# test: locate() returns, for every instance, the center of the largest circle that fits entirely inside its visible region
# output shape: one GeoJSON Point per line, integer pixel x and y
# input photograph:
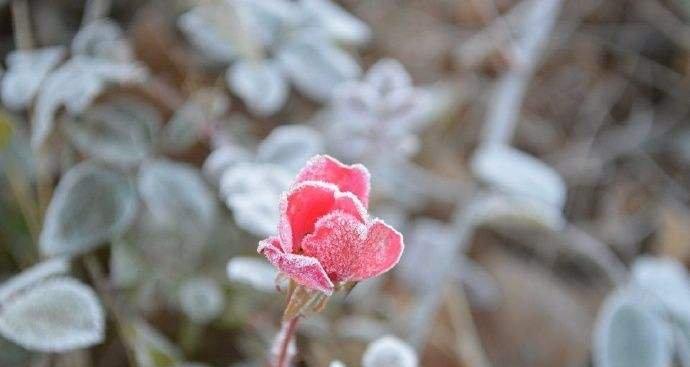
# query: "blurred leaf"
{"type": "Point", "coordinates": [26, 71]}
{"type": "Point", "coordinates": [56, 315]}
{"type": "Point", "coordinates": [629, 333]}
{"type": "Point", "coordinates": [260, 84]}
{"type": "Point", "coordinates": [120, 132]}
{"type": "Point", "coordinates": [32, 275]}
{"type": "Point", "coordinates": [338, 23]}
{"type": "Point", "coordinates": [210, 28]}
{"type": "Point", "coordinates": [6, 131]}
{"type": "Point", "coordinates": [253, 192]}
{"type": "Point", "coordinates": [75, 84]}
{"type": "Point", "coordinates": [91, 205]}
{"type": "Point", "coordinates": [222, 159]}
{"type": "Point", "coordinates": [102, 38]}
{"type": "Point", "coordinates": [189, 121]}
{"type": "Point", "coordinates": [254, 272]}
{"type": "Point", "coordinates": [667, 280]}
{"type": "Point", "coordinates": [290, 146]}
{"type": "Point", "coordinates": [201, 299]}
{"type": "Point", "coordinates": [315, 66]}
{"type": "Point", "coordinates": [389, 351]}
{"type": "Point", "coordinates": [126, 265]}
{"type": "Point", "coordinates": [151, 348]}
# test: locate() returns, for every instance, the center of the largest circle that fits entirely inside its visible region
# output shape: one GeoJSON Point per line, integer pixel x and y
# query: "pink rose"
{"type": "Point", "coordinates": [325, 235]}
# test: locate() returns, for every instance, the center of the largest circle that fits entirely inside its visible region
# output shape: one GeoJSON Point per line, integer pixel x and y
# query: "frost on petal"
{"type": "Point", "coordinates": [26, 71]}
{"type": "Point", "coordinates": [260, 84]}
{"type": "Point", "coordinates": [389, 351]}
{"type": "Point", "coordinates": [351, 250]}
{"type": "Point", "coordinates": [316, 67]}
{"type": "Point", "coordinates": [91, 204]}
{"type": "Point", "coordinates": [290, 146]}
{"type": "Point", "coordinates": [354, 178]}
{"type": "Point", "coordinates": [338, 23]}
{"type": "Point", "coordinates": [308, 201]}
{"type": "Point", "coordinates": [56, 315]}
{"type": "Point", "coordinates": [305, 270]}
{"type": "Point", "coordinates": [253, 272]}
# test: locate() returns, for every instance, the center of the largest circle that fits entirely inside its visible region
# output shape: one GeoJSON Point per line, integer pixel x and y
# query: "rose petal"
{"type": "Point", "coordinates": [308, 201]}
{"type": "Point", "coordinates": [349, 250]}
{"type": "Point", "coordinates": [304, 270]}
{"type": "Point", "coordinates": [353, 178]}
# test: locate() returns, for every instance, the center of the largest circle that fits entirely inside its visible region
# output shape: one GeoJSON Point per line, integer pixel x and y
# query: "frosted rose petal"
{"type": "Point", "coordinates": [353, 178]}
{"type": "Point", "coordinates": [305, 203]}
{"type": "Point", "coordinates": [305, 270]}
{"type": "Point", "coordinates": [350, 250]}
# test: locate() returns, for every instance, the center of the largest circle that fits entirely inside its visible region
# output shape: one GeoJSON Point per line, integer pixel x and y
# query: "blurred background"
{"type": "Point", "coordinates": [535, 154]}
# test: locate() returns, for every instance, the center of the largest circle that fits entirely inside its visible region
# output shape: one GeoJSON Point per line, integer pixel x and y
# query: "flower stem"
{"type": "Point", "coordinates": [282, 351]}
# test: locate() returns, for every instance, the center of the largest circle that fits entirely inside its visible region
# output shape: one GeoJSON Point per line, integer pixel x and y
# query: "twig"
{"type": "Point", "coordinates": [506, 101]}
{"type": "Point", "coordinates": [21, 21]}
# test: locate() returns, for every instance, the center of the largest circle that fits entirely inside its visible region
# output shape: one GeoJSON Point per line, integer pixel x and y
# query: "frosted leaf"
{"type": "Point", "coordinates": [201, 110]}
{"type": "Point", "coordinates": [260, 84]}
{"type": "Point", "coordinates": [667, 280]}
{"type": "Point", "coordinates": [270, 19]}
{"type": "Point", "coordinates": [26, 71]}
{"type": "Point", "coordinates": [75, 84]}
{"type": "Point", "coordinates": [337, 364]}
{"type": "Point", "coordinates": [316, 67]}
{"type": "Point", "coordinates": [519, 174]}
{"type": "Point", "coordinates": [172, 191]}
{"type": "Point", "coordinates": [359, 327]}
{"type": "Point", "coordinates": [254, 272]}
{"type": "Point", "coordinates": [102, 38]}
{"type": "Point", "coordinates": [209, 28]}
{"type": "Point", "coordinates": [429, 243]}
{"type": "Point", "coordinates": [338, 23]}
{"type": "Point", "coordinates": [290, 146]}
{"type": "Point", "coordinates": [252, 192]}
{"type": "Point", "coordinates": [126, 265]}
{"type": "Point", "coordinates": [151, 348]}
{"type": "Point", "coordinates": [499, 209]}
{"type": "Point", "coordinates": [120, 132]}
{"type": "Point", "coordinates": [57, 315]}
{"type": "Point", "coordinates": [36, 273]}
{"type": "Point", "coordinates": [91, 205]}
{"type": "Point", "coordinates": [389, 351]}
{"type": "Point", "coordinates": [631, 334]}
{"type": "Point", "coordinates": [222, 159]}
{"type": "Point", "coordinates": [201, 299]}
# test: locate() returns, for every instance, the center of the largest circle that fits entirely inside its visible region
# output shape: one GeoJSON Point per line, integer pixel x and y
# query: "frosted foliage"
{"type": "Point", "coordinates": [74, 85]}
{"type": "Point", "coordinates": [337, 364]}
{"type": "Point", "coordinates": [209, 29]}
{"type": "Point", "coordinates": [56, 315]}
{"type": "Point", "coordinates": [380, 116]}
{"type": "Point", "coordinates": [120, 132]}
{"type": "Point", "coordinates": [501, 209]}
{"type": "Point", "coordinates": [290, 146]}
{"type": "Point", "coordinates": [91, 205]}
{"type": "Point", "coordinates": [630, 334]}
{"type": "Point", "coordinates": [102, 38]}
{"type": "Point", "coordinates": [172, 191]}
{"type": "Point", "coordinates": [316, 67]}
{"type": "Point", "coordinates": [260, 84]}
{"type": "Point", "coordinates": [519, 174]}
{"type": "Point", "coordinates": [339, 24]}
{"type": "Point", "coordinates": [201, 299]}
{"type": "Point", "coordinates": [254, 272]}
{"type": "Point", "coordinates": [667, 280]}
{"type": "Point", "coordinates": [428, 245]}
{"type": "Point", "coordinates": [252, 192]}
{"type": "Point", "coordinates": [389, 351]}
{"type": "Point", "coordinates": [151, 348]}
{"type": "Point", "coordinates": [201, 110]}
{"type": "Point", "coordinates": [222, 159]}
{"type": "Point", "coordinates": [38, 272]}
{"type": "Point", "coordinates": [26, 70]}
{"type": "Point", "coordinates": [125, 265]}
